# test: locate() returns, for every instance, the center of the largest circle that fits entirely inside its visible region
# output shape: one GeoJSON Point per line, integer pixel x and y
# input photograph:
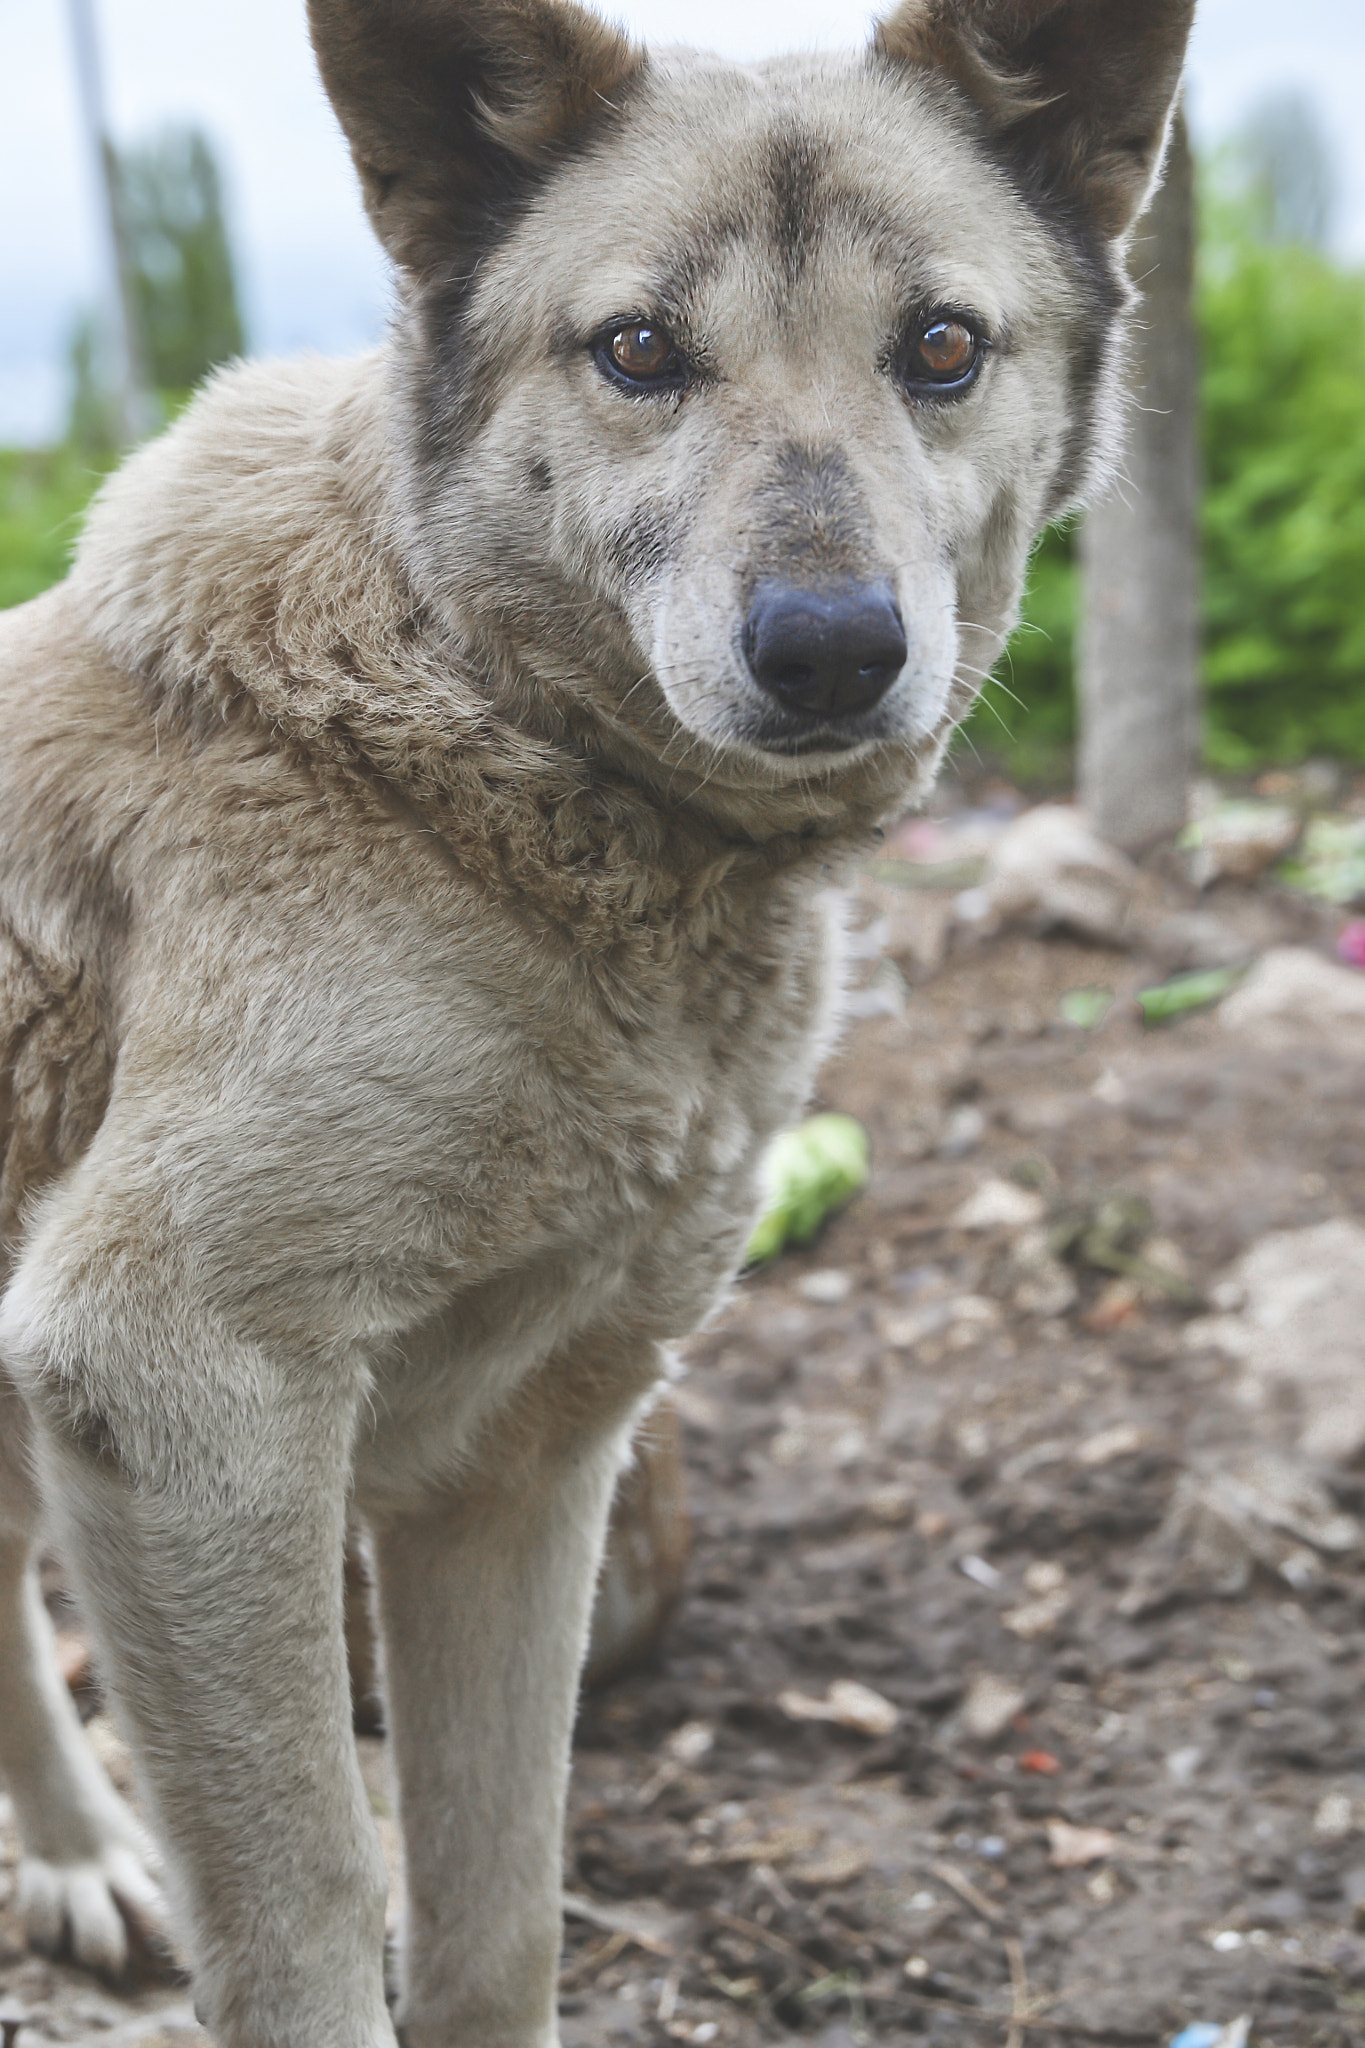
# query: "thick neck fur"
{"type": "Point", "coordinates": [248, 563]}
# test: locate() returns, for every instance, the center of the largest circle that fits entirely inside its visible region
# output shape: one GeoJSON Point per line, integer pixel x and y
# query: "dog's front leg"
{"type": "Point", "coordinates": [199, 1484]}
{"type": "Point", "coordinates": [484, 1601]}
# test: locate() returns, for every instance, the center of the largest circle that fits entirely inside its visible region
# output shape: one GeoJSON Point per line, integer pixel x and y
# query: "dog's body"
{"type": "Point", "coordinates": [418, 810]}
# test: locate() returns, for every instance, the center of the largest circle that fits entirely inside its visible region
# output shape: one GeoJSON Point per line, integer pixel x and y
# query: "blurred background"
{"type": "Point", "coordinates": [244, 233]}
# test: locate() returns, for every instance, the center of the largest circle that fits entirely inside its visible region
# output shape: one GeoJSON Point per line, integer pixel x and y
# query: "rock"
{"type": "Point", "coordinates": [1038, 1618]}
{"type": "Point", "coordinates": [1298, 1335]}
{"type": "Point", "coordinates": [1072, 1848]}
{"type": "Point", "coordinates": [962, 1132]}
{"type": "Point", "coordinates": [910, 925]}
{"type": "Point", "coordinates": [991, 1704]}
{"type": "Point", "coordinates": [1292, 991]}
{"type": "Point", "coordinates": [1048, 1289]}
{"type": "Point", "coordinates": [1239, 841]}
{"type": "Point", "coordinates": [1107, 1444]}
{"type": "Point", "coordinates": [1335, 1816]}
{"type": "Point", "coordinates": [1195, 939]}
{"type": "Point", "coordinates": [847, 1704]}
{"type": "Point", "coordinates": [1260, 1508]}
{"type": "Point", "coordinates": [1050, 872]}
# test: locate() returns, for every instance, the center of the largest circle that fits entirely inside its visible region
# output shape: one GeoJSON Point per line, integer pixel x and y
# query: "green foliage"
{"type": "Point", "coordinates": [1026, 718]}
{"type": "Point", "coordinates": [43, 492]}
{"type": "Point", "coordinates": [172, 203]}
{"type": "Point", "coordinates": [1283, 398]}
{"type": "Point", "coordinates": [184, 289]}
{"type": "Point", "coordinates": [1284, 501]}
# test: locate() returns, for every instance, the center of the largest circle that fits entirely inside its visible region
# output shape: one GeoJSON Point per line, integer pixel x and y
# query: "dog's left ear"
{"type": "Point", "coordinates": [1079, 92]}
{"type": "Point", "coordinates": [454, 108]}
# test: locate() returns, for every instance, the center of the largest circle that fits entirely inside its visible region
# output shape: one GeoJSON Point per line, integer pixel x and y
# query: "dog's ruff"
{"type": "Point", "coordinates": [415, 920]}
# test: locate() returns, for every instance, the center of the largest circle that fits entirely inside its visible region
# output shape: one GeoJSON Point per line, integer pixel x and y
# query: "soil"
{"type": "Point", "coordinates": [931, 1460]}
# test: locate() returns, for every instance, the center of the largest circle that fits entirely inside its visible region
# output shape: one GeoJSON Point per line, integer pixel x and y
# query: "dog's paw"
{"type": "Point", "coordinates": [98, 1911]}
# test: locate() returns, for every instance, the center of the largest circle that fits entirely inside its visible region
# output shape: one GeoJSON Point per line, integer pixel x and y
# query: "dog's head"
{"type": "Point", "coordinates": [735, 396]}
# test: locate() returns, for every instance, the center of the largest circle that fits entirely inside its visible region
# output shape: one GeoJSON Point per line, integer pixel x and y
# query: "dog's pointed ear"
{"type": "Point", "coordinates": [453, 108]}
{"type": "Point", "coordinates": [1079, 91]}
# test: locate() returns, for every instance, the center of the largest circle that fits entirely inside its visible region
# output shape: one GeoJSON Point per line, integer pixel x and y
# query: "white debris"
{"type": "Point", "coordinates": [848, 1704]}
{"type": "Point", "coordinates": [1072, 1848]}
{"type": "Point", "coordinates": [1037, 1618]}
{"type": "Point", "coordinates": [827, 1287]}
{"type": "Point", "coordinates": [1292, 991]}
{"type": "Point", "coordinates": [690, 1743]}
{"type": "Point", "coordinates": [980, 1572]}
{"type": "Point", "coordinates": [991, 1704]}
{"type": "Point", "coordinates": [1000, 1205]}
{"type": "Point", "coordinates": [1298, 1336]}
{"type": "Point", "coordinates": [1335, 1817]}
{"type": "Point", "coordinates": [1108, 1444]}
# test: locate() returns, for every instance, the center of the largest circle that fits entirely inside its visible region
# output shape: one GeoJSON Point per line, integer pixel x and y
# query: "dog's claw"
{"type": "Point", "coordinates": [96, 1911]}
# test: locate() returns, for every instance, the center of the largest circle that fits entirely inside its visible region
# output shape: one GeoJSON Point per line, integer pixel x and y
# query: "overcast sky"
{"type": "Point", "coordinates": [310, 273]}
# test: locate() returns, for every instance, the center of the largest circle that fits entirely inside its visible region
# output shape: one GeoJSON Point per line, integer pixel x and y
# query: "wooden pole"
{"type": "Point", "coordinates": [1138, 644]}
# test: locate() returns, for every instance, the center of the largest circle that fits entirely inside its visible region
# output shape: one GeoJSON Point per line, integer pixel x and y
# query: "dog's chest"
{"type": "Point", "coordinates": [609, 1175]}
{"type": "Point", "coordinates": [642, 1094]}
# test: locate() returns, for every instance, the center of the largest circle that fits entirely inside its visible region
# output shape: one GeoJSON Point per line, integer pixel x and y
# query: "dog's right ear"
{"type": "Point", "coordinates": [453, 108]}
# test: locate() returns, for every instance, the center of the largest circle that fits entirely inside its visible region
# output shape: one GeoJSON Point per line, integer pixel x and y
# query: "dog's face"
{"type": "Point", "coordinates": [753, 385]}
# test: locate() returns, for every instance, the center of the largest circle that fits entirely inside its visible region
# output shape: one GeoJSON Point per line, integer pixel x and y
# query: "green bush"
{"type": "Point", "coordinates": [1282, 333]}
{"type": "Point", "coordinates": [1284, 500]}
{"type": "Point", "coordinates": [43, 493]}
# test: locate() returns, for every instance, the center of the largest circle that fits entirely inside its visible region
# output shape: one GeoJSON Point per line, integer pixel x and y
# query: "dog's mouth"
{"type": "Point", "coordinates": [794, 737]}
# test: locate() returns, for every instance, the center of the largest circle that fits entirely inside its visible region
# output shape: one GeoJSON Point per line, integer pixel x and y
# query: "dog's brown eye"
{"type": "Point", "coordinates": [641, 355]}
{"type": "Point", "coordinates": [641, 351]}
{"type": "Point", "coordinates": [942, 354]}
{"type": "Point", "coordinates": [946, 349]}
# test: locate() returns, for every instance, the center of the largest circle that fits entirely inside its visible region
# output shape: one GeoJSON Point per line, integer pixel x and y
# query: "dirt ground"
{"type": "Point", "coordinates": [1105, 1779]}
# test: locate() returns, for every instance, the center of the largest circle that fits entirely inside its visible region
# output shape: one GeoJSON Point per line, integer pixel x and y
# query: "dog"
{"type": "Point", "coordinates": [419, 812]}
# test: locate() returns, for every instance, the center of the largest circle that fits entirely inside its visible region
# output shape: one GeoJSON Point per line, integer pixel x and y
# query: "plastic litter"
{"type": "Point", "coordinates": [809, 1173]}
{"type": "Point", "coordinates": [1085, 1007]}
{"type": "Point", "coordinates": [1330, 861]}
{"type": "Point", "coordinates": [1186, 992]}
{"type": "Point", "coordinates": [1208, 2034]}
{"type": "Point", "coordinates": [1351, 943]}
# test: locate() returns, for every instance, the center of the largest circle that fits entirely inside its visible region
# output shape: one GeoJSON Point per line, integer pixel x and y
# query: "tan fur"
{"type": "Point", "coordinates": [409, 941]}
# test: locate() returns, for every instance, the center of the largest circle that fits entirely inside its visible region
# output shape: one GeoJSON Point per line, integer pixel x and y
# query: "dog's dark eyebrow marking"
{"type": "Point", "coordinates": [698, 255]}
{"type": "Point", "coordinates": [795, 161]}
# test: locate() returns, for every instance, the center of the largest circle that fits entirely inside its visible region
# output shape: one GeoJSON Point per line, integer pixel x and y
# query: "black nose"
{"type": "Point", "coordinates": [827, 653]}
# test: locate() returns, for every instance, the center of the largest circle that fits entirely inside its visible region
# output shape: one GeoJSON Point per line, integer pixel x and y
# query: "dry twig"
{"type": "Point", "coordinates": [966, 1890]}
